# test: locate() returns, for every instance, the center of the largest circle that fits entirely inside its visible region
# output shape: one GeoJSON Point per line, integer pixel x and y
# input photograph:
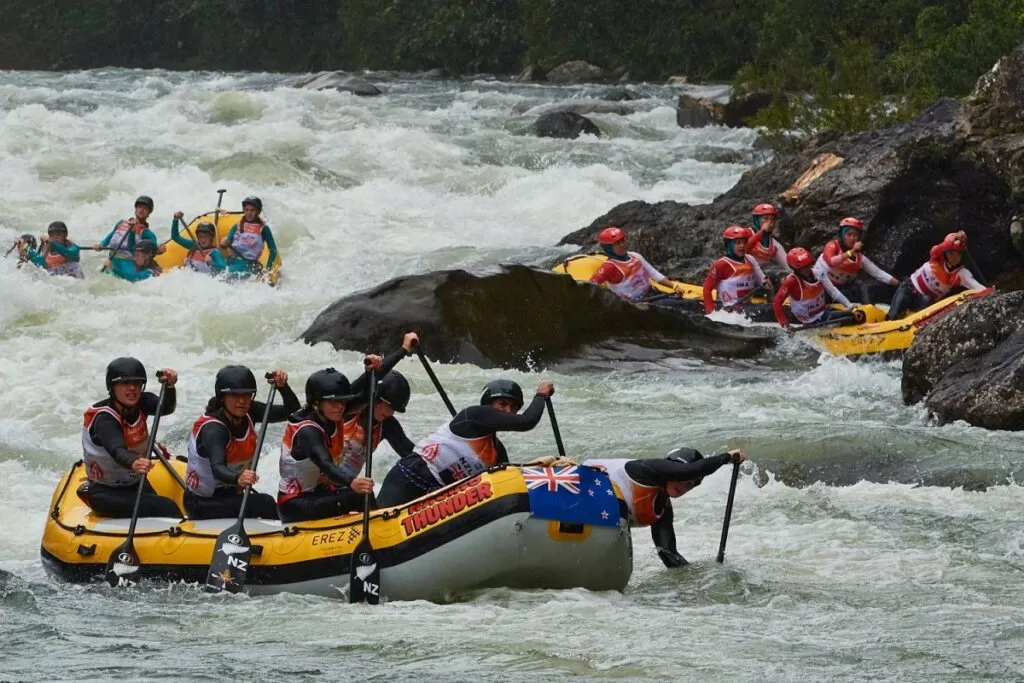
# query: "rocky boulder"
{"type": "Point", "coordinates": [338, 80]}
{"type": "Point", "coordinates": [516, 317]}
{"type": "Point", "coordinates": [564, 124]}
{"type": "Point", "coordinates": [911, 184]}
{"type": "Point", "coordinates": [969, 365]}
{"type": "Point", "coordinates": [727, 110]}
{"type": "Point", "coordinates": [576, 71]}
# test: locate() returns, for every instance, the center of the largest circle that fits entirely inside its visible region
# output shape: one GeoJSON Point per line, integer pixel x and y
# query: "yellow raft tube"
{"type": "Point", "coordinates": [875, 335]}
{"type": "Point", "coordinates": [480, 532]}
{"type": "Point", "coordinates": [175, 255]}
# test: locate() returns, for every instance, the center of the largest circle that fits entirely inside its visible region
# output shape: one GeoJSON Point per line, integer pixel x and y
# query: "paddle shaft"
{"type": "Point", "coordinates": [554, 427]}
{"type": "Point", "coordinates": [433, 378]}
{"type": "Point", "coordinates": [840, 320]}
{"type": "Point", "coordinates": [750, 295]}
{"type": "Point", "coordinates": [369, 452]}
{"type": "Point", "coordinates": [259, 447]}
{"type": "Point", "coordinates": [151, 442]}
{"type": "Point", "coordinates": [173, 472]}
{"type": "Point", "coordinates": [975, 269]}
{"type": "Point", "coordinates": [728, 513]}
{"type": "Point", "coordinates": [124, 237]}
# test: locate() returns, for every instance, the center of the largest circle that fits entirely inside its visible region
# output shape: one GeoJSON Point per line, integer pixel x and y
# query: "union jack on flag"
{"type": "Point", "coordinates": [554, 478]}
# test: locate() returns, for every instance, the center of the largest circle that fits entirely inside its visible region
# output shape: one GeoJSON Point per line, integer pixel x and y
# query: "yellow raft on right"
{"type": "Point", "coordinates": [874, 335]}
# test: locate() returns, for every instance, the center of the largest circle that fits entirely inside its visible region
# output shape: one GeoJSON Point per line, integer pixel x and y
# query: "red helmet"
{"type": "Point", "coordinates": [611, 235]}
{"type": "Point", "coordinates": [799, 258]}
{"type": "Point", "coordinates": [851, 222]}
{"type": "Point", "coordinates": [737, 232]}
{"type": "Point", "coordinates": [766, 209]}
{"type": "Point", "coordinates": [955, 241]}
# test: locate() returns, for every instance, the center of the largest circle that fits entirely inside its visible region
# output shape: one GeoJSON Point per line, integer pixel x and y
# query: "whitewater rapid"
{"type": "Point", "coordinates": [869, 580]}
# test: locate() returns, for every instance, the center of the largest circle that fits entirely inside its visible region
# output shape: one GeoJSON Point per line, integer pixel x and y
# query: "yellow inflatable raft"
{"type": "Point", "coordinates": [875, 335]}
{"type": "Point", "coordinates": [485, 531]}
{"type": "Point", "coordinates": [175, 255]}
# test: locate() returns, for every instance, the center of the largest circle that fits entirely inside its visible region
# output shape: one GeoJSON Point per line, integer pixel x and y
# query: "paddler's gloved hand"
{"type": "Point", "coordinates": [671, 558]}
{"type": "Point", "coordinates": [543, 461]}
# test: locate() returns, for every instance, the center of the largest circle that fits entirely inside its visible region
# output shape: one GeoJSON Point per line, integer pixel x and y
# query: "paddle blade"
{"type": "Point", "coordinates": [230, 564]}
{"type": "Point", "coordinates": [364, 575]}
{"type": "Point", "coordinates": [123, 565]}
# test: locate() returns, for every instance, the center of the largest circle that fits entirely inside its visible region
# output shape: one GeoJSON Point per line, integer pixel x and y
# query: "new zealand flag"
{"type": "Point", "coordinates": [576, 494]}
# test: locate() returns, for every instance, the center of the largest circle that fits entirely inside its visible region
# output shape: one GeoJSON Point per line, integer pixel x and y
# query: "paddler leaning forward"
{"type": "Point", "coordinates": [465, 446]}
{"type": "Point", "coordinates": [647, 486]}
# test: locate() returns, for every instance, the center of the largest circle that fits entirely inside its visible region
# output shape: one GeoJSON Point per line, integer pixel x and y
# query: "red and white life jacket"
{"type": "Point", "coordinates": [240, 452]}
{"type": "Point", "coordinates": [100, 465]}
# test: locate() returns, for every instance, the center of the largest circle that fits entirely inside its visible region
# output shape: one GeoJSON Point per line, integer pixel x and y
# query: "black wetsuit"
{"type": "Point", "coordinates": [867, 291]}
{"type": "Point", "coordinates": [212, 444]}
{"type": "Point", "coordinates": [106, 432]}
{"type": "Point", "coordinates": [326, 500]}
{"type": "Point", "coordinates": [906, 299]}
{"type": "Point", "coordinates": [660, 473]}
{"type": "Point", "coordinates": [410, 478]}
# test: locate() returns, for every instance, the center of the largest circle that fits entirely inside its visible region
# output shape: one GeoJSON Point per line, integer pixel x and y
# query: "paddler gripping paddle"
{"type": "Point", "coordinates": [230, 563]}
{"type": "Point", "coordinates": [364, 572]}
{"type": "Point", "coordinates": [124, 561]}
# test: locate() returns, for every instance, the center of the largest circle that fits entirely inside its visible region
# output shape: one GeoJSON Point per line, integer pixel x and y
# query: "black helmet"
{"type": "Point", "coordinates": [125, 370]}
{"type": "Point", "coordinates": [57, 226]}
{"type": "Point", "coordinates": [686, 455]}
{"type": "Point", "coordinates": [502, 388]}
{"type": "Point", "coordinates": [206, 228]}
{"type": "Point", "coordinates": [146, 246]}
{"type": "Point", "coordinates": [144, 201]}
{"type": "Point", "coordinates": [394, 390]}
{"type": "Point", "coordinates": [255, 201]}
{"type": "Point", "coordinates": [235, 379]}
{"type": "Point", "coordinates": [328, 384]}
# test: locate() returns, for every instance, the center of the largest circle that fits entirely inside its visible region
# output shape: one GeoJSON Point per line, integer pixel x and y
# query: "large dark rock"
{"type": "Point", "coordinates": [724, 109]}
{"type": "Point", "coordinates": [339, 80]}
{"type": "Point", "coordinates": [576, 71]}
{"type": "Point", "coordinates": [516, 317]}
{"type": "Point", "coordinates": [911, 184]}
{"type": "Point", "coordinates": [969, 365]}
{"type": "Point", "coordinates": [564, 124]}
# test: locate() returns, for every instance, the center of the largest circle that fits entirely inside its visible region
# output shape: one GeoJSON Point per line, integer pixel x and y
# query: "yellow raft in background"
{"type": "Point", "coordinates": [875, 335]}
{"type": "Point", "coordinates": [477, 533]}
{"type": "Point", "coordinates": [175, 255]}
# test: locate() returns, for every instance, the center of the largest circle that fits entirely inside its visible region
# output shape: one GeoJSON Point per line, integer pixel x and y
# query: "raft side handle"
{"type": "Point", "coordinates": [289, 531]}
{"type": "Point", "coordinates": [87, 550]}
{"type": "Point", "coordinates": [256, 550]}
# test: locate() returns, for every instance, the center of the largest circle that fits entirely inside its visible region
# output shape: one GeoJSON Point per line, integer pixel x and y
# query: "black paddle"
{"type": "Point", "coordinates": [750, 295]}
{"type": "Point", "coordinates": [843, 319]}
{"type": "Point", "coordinates": [728, 513]}
{"type": "Point", "coordinates": [974, 266]}
{"type": "Point", "coordinates": [173, 472]}
{"type": "Point", "coordinates": [554, 427]}
{"type": "Point", "coordinates": [124, 561]}
{"type": "Point", "coordinates": [433, 378]}
{"type": "Point", "coordinates": [130, 230]}
{"type": "Point", "coordinates": [364, 572]}
{"type": "Point", "coordinates": [230, 563]}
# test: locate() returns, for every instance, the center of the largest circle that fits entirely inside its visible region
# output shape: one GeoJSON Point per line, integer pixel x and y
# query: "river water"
{"type": "Point", "coordinates": [846, 560]}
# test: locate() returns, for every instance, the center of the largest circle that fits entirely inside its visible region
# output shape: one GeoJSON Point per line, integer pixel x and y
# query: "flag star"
{"type": "Point", "coordinates": [610, 492]}
{"type": "Point", "coordinates": [590, 491]}
{"type": "Point", "coordinates": [604, 515]}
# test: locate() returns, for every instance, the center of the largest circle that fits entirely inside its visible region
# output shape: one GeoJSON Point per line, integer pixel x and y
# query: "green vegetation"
{"type": "Point", "coordinates": [864, 63]}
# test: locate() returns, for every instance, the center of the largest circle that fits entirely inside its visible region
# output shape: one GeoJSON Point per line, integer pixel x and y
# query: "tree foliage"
{"type": "Point", "coordinates": [845, 64]}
